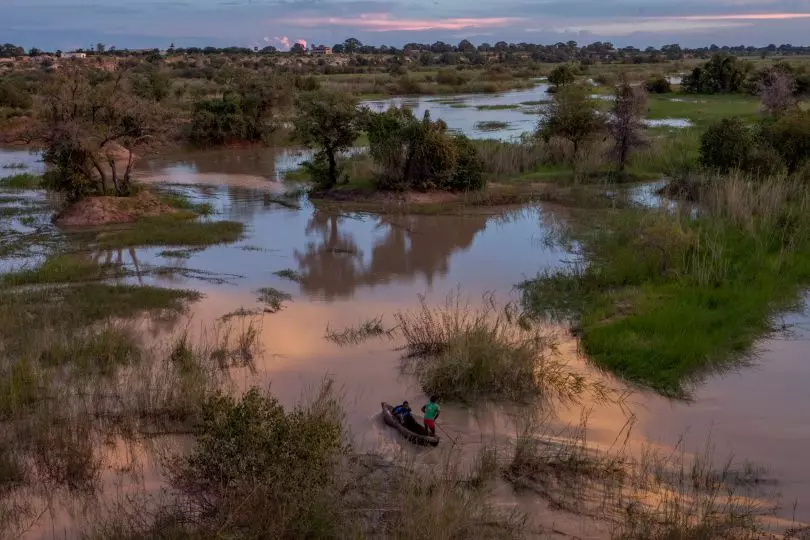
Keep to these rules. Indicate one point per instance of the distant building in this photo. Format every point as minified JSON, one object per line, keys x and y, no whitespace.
{"x":321,"y":50}
{"x":74,"y":55}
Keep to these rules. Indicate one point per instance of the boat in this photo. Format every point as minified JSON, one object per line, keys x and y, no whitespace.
{"x":413,"y":431}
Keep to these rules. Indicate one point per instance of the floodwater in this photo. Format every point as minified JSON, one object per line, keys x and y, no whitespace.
{"x":502,"y":116}
{"x":357,"y":266}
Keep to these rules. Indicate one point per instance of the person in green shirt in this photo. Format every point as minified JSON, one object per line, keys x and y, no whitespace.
{"x":431,"y":410}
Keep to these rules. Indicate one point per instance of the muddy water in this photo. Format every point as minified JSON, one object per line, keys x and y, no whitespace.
{"x":355,"y":267}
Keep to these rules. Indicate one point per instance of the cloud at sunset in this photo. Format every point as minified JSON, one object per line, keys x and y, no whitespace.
{"x":383,"y":22}
{"x":154,"y":23}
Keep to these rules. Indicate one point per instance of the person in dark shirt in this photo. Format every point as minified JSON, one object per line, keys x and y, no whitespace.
{"x":402,"y":411}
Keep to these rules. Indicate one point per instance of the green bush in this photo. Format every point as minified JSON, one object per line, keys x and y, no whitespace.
{"x":562,"y":76}
{"x":421,"y":154}
{"x":658,"y":85}
{"x":723,"y":74}
{"x":790,"y":136}
{"x":13,"y":95}
{"x":726,"y":145}
{"x":259,"y":468}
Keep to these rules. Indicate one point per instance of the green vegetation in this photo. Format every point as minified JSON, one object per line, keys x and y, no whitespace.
{"x":168,"y":230}
{"x":421,"y":155}
{"x":357,"y":334}
{"x":330,"y":123}
{"x":663,"y":298}
{"x":703,"y":110}
{"x":491,"y":125}
{"x":462,"y":353}
{"x":182,"y":202}
{"x":273,"y":299}
{"x":67,"y":268}
{"x":497,"y":107}
{"x":21,"y":181}
{"x":289,"y":274}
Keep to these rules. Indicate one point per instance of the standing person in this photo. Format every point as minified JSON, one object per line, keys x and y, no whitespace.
{"x":431,"y":410}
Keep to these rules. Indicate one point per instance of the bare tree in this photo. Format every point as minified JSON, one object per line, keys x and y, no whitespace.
{"x":90,"y":128}
{"x":778,"y":93}
{"x":626,"y":122}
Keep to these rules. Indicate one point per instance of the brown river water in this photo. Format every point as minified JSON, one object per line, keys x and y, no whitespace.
{"x":357,"y":267}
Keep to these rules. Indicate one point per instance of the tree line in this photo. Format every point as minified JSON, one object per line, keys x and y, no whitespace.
{"x":558,"y":52}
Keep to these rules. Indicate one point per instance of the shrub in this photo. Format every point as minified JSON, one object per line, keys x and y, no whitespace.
{"x":14,"y":96}
{"x":658,"y":85}
{"x":260,"y":468}
{"x":422,"y":155}
{"x":562,"y":76}
{"x":605,"y":79}
{"x":726,"y":144}
{"x":790,"y":136}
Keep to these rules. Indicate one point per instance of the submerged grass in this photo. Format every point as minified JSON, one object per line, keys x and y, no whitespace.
{"x":21,"y":181}
{"x":273,"y":299}
{"x":662,"y":297}
{"x":289,"y":274}
{"x":63,"y":268}
{"x":171,"y":231}
{"x":354,"y":335}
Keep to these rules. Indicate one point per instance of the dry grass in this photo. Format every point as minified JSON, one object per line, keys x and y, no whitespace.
{"x":462,"y":352}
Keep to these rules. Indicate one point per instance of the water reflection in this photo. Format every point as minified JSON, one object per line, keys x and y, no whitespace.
{"x":405,"y":248}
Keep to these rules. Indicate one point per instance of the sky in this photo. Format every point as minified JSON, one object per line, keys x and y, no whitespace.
{"x":70,"y":24}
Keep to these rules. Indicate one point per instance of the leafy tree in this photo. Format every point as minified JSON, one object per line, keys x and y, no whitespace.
{"x":726,"y":144}
{"x":562,"y":76}
{"x":9,"y":50}
{"x":722,"y":74}
{"x":572,"y":115}
{"x":465,"y":46}
{"x":298,"y":48}
{"x":421,"y":154}
{"x":626,"y":123}
{"x":89,"y":130}
{"x":155,"y":85}
{"x":351,"y":45}
{"x":329,"y":122}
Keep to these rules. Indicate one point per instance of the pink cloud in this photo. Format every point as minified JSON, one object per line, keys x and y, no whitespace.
{"x":302,"y":42}
{"x":383,"y":22}
{"x":741,"y":17}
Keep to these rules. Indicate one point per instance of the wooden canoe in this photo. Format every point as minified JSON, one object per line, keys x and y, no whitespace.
{"x":414,"y":431}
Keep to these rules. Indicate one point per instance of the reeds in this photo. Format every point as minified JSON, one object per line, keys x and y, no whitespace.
{"x":462,"y":352}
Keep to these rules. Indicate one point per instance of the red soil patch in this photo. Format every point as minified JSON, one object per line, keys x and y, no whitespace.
{"x":95,"y":211}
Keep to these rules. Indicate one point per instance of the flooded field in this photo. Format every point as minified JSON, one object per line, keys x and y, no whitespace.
{"x":354,"y":267}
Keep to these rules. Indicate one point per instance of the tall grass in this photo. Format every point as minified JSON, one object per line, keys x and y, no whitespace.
{"x":646,"y":495}
{"x":663,"y":297}
{"x":462,"y":352}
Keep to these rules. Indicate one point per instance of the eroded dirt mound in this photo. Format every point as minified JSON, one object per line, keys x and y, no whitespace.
{"x":108,"y":210}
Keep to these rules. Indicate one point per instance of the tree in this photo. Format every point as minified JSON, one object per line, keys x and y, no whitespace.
{"x":626,"y":123}
{"x":421,"y":154}
{"x":90,"y":129}
{"x":722,"y":74}
{"x":14,"y":95}
{"x":573,"y":116}
{"x":100,"y":48}
{"x":466,"y":46}
{"x":561,"y":76}
{"x":298,"y":48}
{"x":329,"y":122}
{"x":34,"y":52}
{"x":790,"y":136}
{"x":155,"y":85}
{"x":778,"y":93}
{"x":351,"y":45}
{"x":269,"y":50}
{"x":725,"y":144}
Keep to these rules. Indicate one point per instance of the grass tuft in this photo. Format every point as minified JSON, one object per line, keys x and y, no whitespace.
{"x":273,"y":299}
{"x":170,"y":231}
{"x":356,"y":335}
{"x":289,"y":274}
{"x":21,"y":181}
